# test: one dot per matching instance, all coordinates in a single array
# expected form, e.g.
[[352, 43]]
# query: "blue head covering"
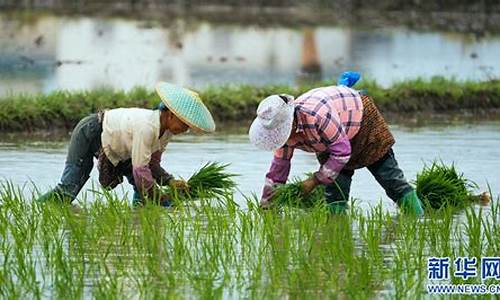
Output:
[[161, 106], [348, 78]]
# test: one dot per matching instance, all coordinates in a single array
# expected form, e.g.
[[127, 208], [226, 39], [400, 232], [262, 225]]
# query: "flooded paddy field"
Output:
[[473, 149], [228, 248]]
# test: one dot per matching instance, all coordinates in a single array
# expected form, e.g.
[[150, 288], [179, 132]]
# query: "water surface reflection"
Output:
[[56, 52]]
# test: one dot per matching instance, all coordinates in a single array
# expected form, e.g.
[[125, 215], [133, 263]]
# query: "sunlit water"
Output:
[[47, 53], [474, 150]]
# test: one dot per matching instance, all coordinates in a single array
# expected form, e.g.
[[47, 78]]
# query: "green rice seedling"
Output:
[[408, 259], [219, 250], [211, 181], [473, 232], [491, 228], [291, 194], [440, 185], [371, 235]]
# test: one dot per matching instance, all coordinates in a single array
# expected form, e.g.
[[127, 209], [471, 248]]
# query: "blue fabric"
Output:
[[348, 78], [161, 106], [137, 200], [165, 203]]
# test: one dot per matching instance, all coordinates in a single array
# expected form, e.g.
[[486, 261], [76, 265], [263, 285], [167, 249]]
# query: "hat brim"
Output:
[[271, 139], [167, 98]]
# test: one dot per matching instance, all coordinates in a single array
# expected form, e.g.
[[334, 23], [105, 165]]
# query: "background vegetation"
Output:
[[238, 103]]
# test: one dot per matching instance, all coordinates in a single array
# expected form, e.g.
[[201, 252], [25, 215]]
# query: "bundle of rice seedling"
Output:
[[211, 181], [291, 194], [440, 185]]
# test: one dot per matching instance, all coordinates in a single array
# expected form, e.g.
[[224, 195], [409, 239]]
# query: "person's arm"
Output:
[[330, 131], [161, 176], [339, 155], [142, 142], [278, 173]]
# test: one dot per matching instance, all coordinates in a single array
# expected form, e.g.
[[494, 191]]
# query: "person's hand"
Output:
[[309, 184], [267, 195], [179, 184], [265, 203]]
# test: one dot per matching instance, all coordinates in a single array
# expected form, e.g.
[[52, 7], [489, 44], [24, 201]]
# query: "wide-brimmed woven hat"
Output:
[[273, 125], [187, 106]]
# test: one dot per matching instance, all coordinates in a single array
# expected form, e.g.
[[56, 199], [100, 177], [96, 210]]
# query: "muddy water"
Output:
[[46, 53], [474, 150]]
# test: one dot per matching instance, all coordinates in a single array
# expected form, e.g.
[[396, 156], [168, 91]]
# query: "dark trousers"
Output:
[[84, 145], [110, 176], [387, 173]]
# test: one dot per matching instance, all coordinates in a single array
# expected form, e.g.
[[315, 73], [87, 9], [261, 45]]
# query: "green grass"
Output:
[[107, 249], [237, 103]]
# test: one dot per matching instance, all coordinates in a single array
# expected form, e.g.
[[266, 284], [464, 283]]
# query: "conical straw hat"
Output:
[[187, 106]]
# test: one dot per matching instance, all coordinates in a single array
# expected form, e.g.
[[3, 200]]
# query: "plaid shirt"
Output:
[[327, 119]]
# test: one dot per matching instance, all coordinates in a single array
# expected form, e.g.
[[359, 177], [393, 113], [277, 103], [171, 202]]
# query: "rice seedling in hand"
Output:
[[292, 194], [440, 185], [211, 181]]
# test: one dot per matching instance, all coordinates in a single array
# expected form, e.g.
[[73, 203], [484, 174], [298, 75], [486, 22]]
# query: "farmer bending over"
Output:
[[129, 142], [344, 129]]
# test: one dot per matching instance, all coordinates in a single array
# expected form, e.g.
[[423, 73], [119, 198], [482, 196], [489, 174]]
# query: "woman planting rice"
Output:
[[129, 142], [345, 130]]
